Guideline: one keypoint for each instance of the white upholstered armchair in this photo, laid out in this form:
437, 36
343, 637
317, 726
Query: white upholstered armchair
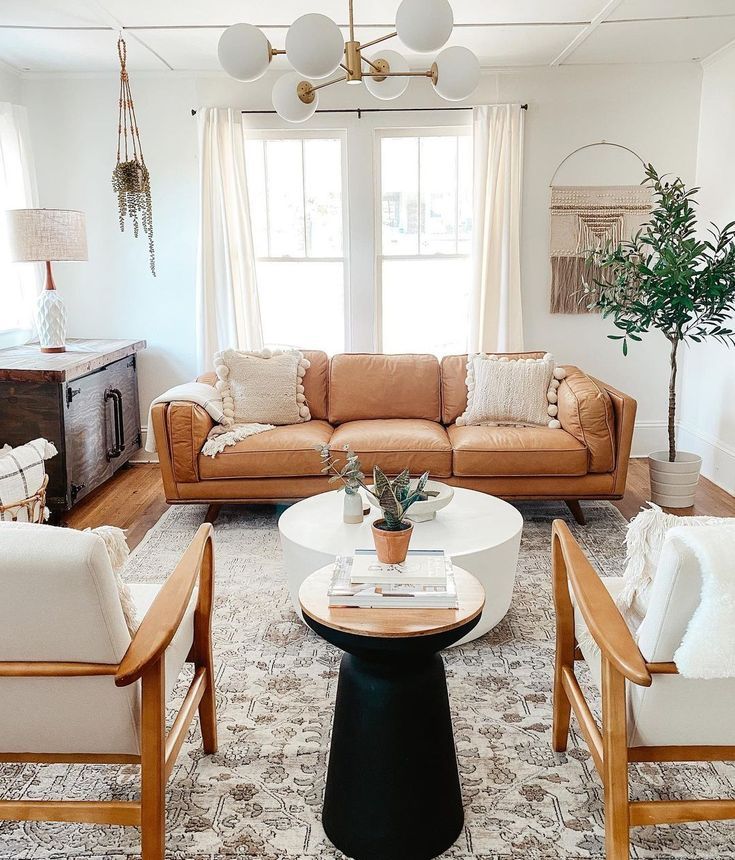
75, 687
650, 712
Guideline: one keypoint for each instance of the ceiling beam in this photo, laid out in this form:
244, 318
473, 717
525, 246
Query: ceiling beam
581, 37
115, 24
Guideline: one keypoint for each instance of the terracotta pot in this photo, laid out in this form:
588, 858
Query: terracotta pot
391, 547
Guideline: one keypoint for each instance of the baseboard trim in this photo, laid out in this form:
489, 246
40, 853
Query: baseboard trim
718, 458
143, 456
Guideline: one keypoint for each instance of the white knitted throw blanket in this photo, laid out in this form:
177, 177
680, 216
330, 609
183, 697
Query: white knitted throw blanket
210, 399
707, 649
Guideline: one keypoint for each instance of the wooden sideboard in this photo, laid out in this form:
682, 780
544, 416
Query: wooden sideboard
84, 400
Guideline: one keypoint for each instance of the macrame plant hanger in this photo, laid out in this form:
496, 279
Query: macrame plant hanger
584, 218
130, 178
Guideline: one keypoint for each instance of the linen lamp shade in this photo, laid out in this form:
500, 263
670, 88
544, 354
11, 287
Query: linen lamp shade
46, 235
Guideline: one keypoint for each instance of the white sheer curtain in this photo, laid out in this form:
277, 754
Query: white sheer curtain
496, 321
228, 313
19, 282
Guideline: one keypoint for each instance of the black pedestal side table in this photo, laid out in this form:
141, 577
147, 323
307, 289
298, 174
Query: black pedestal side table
392, 790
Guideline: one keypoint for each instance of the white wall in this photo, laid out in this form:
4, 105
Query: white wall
707, 391
73, 124
10, 85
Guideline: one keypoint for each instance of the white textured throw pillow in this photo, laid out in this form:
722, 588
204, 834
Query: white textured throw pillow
262, 387
515, 391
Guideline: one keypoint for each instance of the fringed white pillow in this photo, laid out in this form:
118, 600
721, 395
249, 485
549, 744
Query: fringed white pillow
118, 552
262, 387
512, 391
644, 541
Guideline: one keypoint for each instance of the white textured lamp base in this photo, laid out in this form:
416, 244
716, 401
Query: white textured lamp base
51, 322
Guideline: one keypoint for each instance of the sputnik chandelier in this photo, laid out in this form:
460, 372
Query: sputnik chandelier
316, 49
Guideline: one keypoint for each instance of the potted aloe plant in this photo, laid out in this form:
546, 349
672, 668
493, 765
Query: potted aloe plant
667, 278
392, 533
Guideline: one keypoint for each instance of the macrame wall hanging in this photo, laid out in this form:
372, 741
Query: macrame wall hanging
130, 178
584, 218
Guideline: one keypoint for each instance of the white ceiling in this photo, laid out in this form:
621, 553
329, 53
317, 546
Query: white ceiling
80, 35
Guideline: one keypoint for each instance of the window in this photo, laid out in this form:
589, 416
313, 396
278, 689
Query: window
295, 185
423, 239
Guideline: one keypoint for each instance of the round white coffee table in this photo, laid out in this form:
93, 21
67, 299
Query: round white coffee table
478, 532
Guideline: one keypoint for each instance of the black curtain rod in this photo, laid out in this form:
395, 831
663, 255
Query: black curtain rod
361, 111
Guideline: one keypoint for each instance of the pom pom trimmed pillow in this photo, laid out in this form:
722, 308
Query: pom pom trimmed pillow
504, 390
263, 387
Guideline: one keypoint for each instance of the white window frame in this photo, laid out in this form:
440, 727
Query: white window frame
315, 134
360, 149
404, 131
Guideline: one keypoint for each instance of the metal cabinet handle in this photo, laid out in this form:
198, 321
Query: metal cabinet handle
115, 395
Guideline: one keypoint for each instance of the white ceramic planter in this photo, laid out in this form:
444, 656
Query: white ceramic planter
673, 485
352, 508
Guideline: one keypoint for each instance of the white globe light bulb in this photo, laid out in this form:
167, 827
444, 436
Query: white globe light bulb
314, 45
457, 73
244, 52
287, 102
388, 88
424, 25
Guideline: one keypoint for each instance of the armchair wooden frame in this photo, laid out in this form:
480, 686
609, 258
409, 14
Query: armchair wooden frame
145, 661
621, 662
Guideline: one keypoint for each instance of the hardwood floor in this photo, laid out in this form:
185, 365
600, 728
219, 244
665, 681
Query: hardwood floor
133, 500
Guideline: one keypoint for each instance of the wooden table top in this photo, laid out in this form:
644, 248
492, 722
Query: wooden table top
26, 363
387, 623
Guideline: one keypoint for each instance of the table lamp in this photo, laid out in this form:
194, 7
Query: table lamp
47, 235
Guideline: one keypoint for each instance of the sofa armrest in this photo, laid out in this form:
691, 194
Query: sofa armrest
181, 429
624, 409
586, 412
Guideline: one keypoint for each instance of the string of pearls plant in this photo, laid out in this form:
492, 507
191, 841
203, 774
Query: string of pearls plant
316, 48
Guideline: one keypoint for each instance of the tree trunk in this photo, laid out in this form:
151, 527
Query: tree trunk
672, 400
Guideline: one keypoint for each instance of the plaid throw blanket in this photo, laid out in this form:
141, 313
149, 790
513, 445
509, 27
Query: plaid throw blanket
22, 472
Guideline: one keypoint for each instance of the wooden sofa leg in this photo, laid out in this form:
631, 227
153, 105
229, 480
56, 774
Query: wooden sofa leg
152, 774
576, 509
212, 513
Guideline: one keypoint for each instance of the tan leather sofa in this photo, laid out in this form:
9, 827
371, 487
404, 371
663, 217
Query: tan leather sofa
400, 411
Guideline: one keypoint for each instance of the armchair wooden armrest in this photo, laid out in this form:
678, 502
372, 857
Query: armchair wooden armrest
602, 617
164, 616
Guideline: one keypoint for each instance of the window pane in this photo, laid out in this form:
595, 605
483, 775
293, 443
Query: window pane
464, 238
285, 190
302, 304
323, 194
256, 191
400, 184
438, 178
426, 305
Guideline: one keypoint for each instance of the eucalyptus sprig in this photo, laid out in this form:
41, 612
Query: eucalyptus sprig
350, 474
668, 277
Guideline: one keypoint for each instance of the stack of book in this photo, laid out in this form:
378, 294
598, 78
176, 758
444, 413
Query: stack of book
424, 581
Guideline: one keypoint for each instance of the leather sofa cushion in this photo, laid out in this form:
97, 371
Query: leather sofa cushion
316, 382
491, 451
284, 452
395, 444
586, 411
363, 386
454, 383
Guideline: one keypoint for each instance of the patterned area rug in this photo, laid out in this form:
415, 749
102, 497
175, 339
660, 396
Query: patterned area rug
260, 795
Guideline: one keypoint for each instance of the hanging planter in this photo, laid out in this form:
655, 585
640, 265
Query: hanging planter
130, 178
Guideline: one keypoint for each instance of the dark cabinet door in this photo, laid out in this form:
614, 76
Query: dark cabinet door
102, 425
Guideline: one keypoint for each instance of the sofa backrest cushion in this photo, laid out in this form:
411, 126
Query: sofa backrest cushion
365, 386
586, 411
316, 383
454, 383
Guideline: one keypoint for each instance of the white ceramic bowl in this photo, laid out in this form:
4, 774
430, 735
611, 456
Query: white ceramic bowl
421, 512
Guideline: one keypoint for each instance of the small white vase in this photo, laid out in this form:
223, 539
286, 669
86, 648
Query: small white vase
673, 485
352, 509
51, 321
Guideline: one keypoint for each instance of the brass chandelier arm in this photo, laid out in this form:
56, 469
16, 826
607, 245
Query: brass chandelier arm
370, 63
427, 74
379, 39
305, 90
